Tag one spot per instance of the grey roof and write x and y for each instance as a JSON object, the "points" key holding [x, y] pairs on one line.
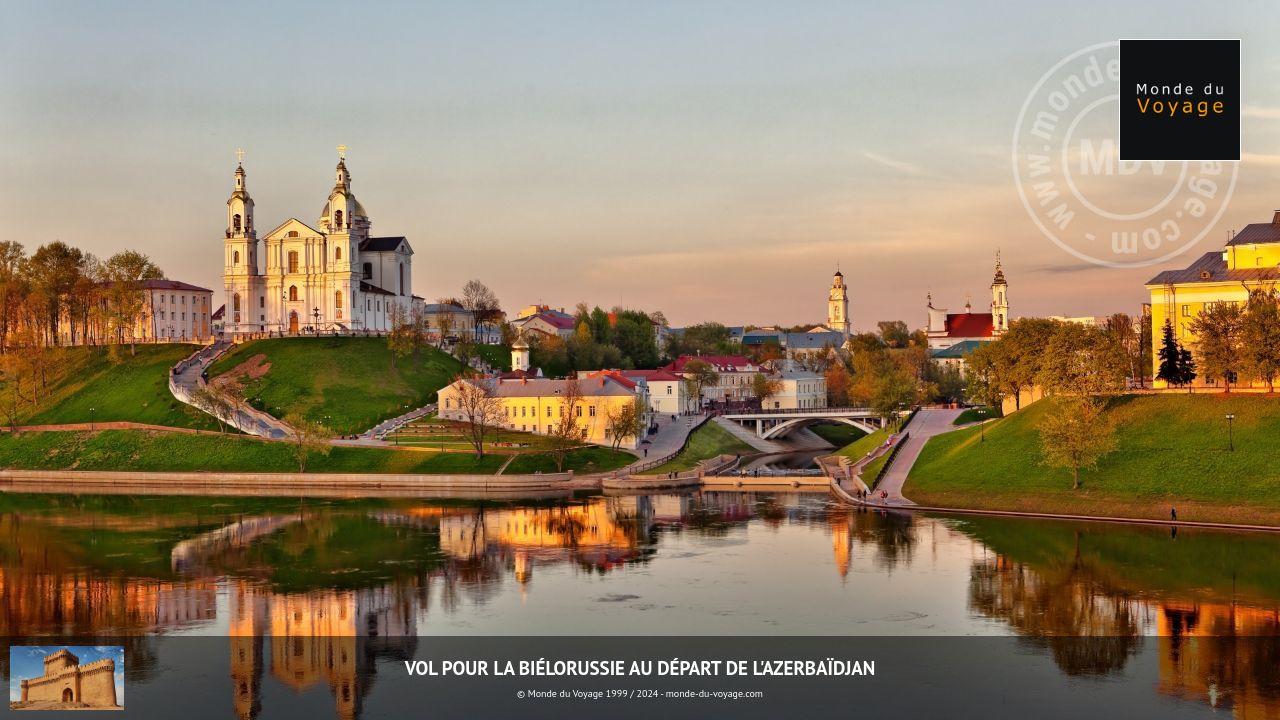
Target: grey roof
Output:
{"points": [[602, 386], [1257, 234], [1210, 267], [371, 288], [442, 308], [812, 341], [382, 244]]}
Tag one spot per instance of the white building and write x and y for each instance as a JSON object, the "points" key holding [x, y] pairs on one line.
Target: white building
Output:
{"points": [[333, 277], [800, 389]]}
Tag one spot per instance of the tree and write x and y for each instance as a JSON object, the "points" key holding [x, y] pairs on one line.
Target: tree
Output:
{"points": [[214, 403], [126, 297], [1170, 356], [1218, 347], [627, 420], [479, 407], [309, 438], [565, 433], [1075, 435], [837, 385], [981, 383], [1120, 327], [481, 302], [764, 387], [1186, 367], [894, 333], [894, 391], [698, 375], [13, 288], [1081, 360], [53, 271], [1260, 336]]}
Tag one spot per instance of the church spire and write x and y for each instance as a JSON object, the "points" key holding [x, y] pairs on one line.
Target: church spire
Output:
{"points": [[240, 205], [999, 301]]}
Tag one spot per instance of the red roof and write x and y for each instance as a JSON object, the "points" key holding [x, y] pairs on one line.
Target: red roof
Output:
{"points": [[612, 375], [658, 375], [969, 325], [719, 362]]}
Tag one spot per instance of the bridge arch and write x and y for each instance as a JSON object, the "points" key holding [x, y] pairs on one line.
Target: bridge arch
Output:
{"points": [[785, 428]]}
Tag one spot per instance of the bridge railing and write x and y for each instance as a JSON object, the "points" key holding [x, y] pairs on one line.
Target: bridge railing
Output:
{"points": [[802, 411]]}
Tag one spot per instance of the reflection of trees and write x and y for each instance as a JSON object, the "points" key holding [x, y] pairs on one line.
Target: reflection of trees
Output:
{"points": [[1061, 608]]}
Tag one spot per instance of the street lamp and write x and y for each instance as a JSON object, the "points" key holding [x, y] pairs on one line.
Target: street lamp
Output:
{"points": [[1231, 445], [315, 326], [91, 419], [982, 426]]}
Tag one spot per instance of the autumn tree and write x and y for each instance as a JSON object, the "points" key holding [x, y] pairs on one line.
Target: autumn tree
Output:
{"points": [[1076, 435], [123, 275], [481, 302], [1081, 360], [764, 387], [1219, 347], [698, 376], [210, 401], [837, 377]]}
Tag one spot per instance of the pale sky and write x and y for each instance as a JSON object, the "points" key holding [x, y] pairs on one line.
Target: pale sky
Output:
{"points": [[713, 160]]}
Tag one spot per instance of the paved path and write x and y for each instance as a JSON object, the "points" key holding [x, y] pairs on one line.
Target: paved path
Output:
{"points": [[188, 376], [669, 438], [926, 423]]}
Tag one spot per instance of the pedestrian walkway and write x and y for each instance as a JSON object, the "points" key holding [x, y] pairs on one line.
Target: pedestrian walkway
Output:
{"points": [[188, 376], [926, 423], [669, 439]]}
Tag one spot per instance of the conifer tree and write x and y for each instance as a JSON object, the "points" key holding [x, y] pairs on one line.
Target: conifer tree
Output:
{"points": [[1170, 356]]}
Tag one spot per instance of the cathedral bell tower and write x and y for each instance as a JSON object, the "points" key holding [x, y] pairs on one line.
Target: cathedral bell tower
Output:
{"points": [[241, 243], [838, 305], [999, 301]]}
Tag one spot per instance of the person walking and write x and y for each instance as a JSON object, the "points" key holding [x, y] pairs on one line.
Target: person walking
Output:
{"points": [[1173, 514]]}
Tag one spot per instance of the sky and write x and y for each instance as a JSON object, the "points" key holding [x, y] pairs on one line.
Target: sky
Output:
{"points": [[27, 661], [712, 160]]}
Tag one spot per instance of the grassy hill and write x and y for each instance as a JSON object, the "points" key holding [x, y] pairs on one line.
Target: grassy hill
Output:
{"points": [[706, 442], [147, 451], [1171, 451], [132, 388], [347, 384]]}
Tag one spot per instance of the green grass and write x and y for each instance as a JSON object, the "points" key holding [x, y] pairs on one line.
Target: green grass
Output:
{"points": [[706, 442], [132, 388], [864, 444], [972, 415], [498, 356], [1171, 451], [148, 451], [869, 471], [838, 434], [347, 384], [585, 460]]}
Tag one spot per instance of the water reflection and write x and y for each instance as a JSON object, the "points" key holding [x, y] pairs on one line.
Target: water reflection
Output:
{"points": [[316, 594]]}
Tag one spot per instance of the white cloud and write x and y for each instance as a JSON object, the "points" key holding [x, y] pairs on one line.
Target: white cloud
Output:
{"points": [[899, 165], [1261, 112]]}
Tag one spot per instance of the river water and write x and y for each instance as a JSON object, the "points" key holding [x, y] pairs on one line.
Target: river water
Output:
{"points": [[703, 563]]}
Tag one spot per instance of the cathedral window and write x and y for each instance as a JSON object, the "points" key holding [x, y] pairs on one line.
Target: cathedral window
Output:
{"points": [[337, 299], [337, 253], [235, 222], [337, 219], [262, 301], [367, 270], [293, 261], [235, 257], [293, 293], [401, 278], [235, 302]]}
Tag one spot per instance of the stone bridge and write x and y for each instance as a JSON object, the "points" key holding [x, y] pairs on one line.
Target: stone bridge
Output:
{"points": [[773, 424]]}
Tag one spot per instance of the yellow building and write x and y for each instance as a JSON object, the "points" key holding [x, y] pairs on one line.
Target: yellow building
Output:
{"points": [[537, 404], [1248, 261]]}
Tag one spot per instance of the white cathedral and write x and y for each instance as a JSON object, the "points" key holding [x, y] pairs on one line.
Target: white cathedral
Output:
{"points": [[336, 278]]}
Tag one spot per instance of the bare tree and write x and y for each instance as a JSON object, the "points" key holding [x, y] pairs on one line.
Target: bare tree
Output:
{"points": [[566, 433], [214, 403], [479, 408], [481, 302], [624, 422]]}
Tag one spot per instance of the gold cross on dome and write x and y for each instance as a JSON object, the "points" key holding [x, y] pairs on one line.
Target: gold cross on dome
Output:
{"points": [[342, 152], [239, 154]]}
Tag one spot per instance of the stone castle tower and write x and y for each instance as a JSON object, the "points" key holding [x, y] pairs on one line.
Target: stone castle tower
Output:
{"points": [[838, 305]]}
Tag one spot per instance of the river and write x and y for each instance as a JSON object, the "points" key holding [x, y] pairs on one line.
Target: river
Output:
{"points": [[702, 563]]}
